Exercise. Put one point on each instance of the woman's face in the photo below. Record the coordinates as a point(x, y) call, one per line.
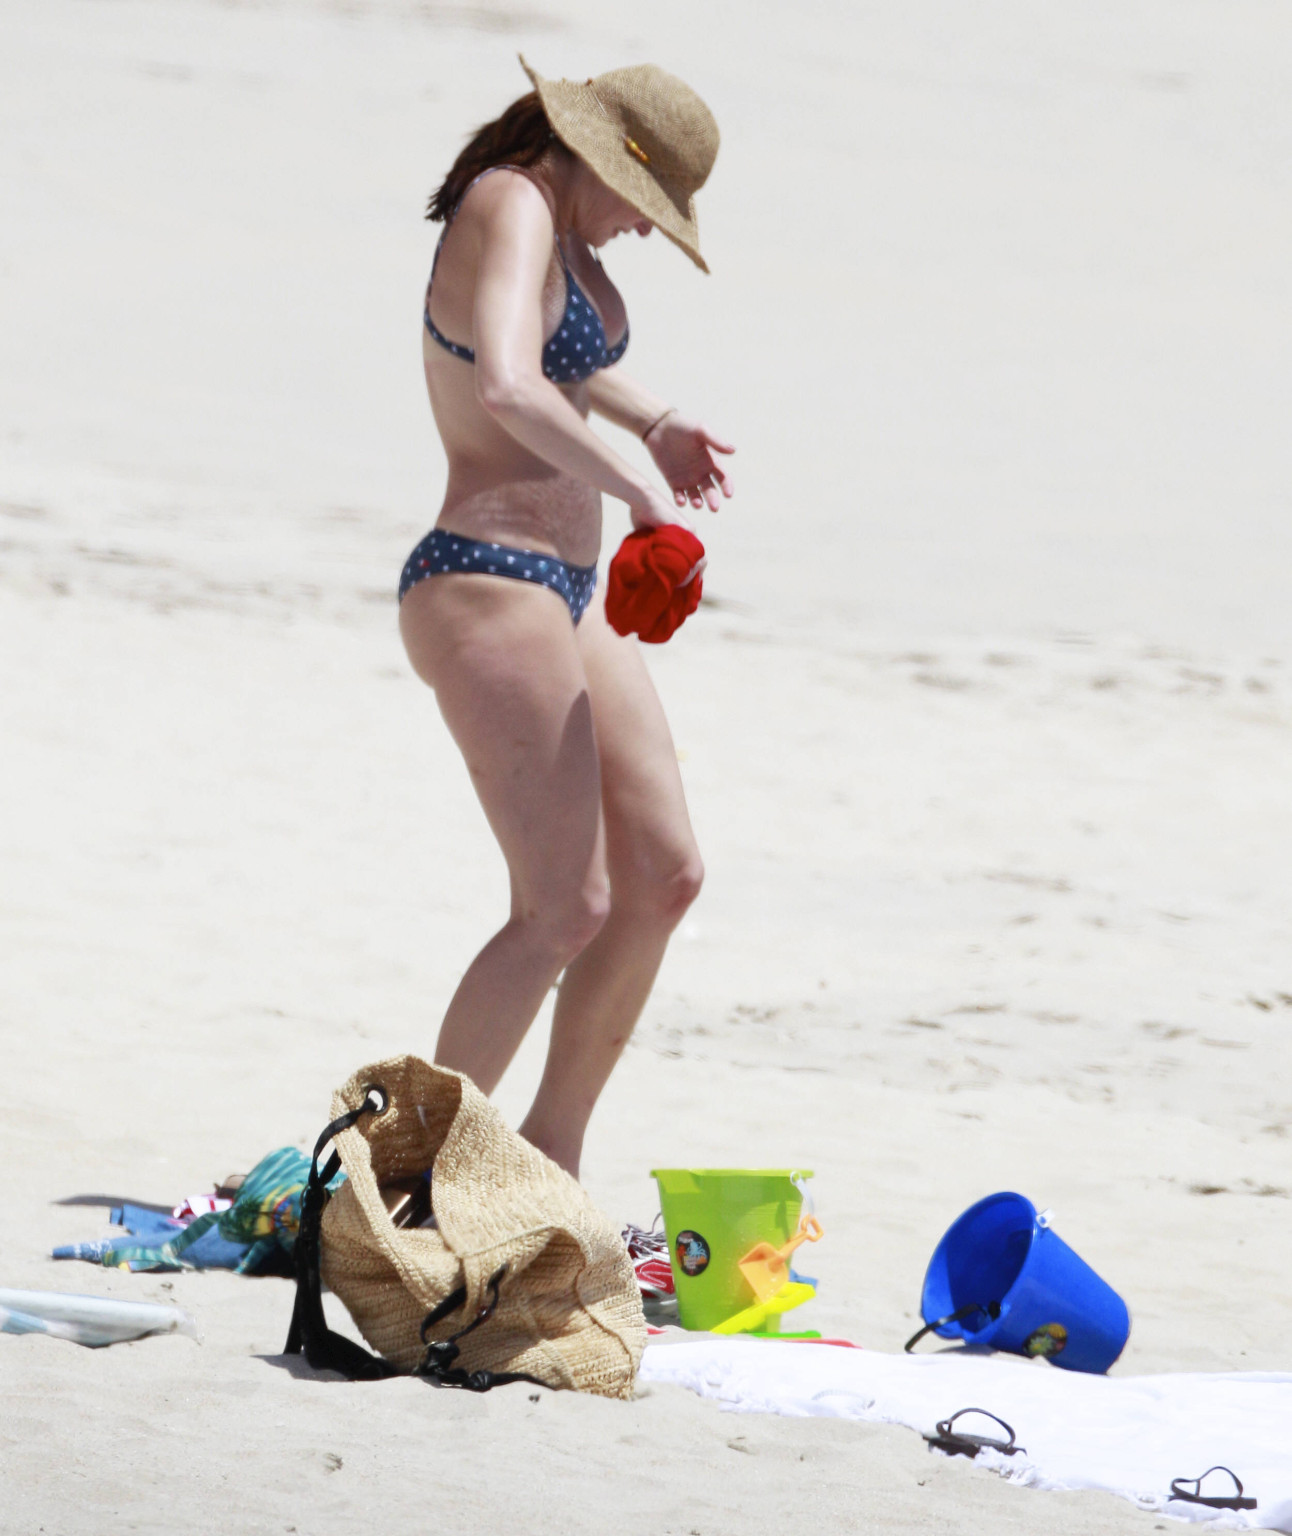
point(600, 214)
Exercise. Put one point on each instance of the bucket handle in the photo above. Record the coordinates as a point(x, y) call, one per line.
point(800, 1182)
point(991, 1308)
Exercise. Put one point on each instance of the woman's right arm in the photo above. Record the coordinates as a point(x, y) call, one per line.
point(515, 233)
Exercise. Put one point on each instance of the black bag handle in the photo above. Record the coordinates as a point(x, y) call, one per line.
point(326, 1350)
point(991, 1308)
point(437, 1364)
point(1214, 1500)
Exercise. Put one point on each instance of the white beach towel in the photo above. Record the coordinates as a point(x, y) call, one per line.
point(1129, 1435)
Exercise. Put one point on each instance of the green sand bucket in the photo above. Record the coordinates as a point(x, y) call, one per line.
point(713, 1217)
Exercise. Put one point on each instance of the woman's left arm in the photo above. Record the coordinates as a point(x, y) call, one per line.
point(682, 448)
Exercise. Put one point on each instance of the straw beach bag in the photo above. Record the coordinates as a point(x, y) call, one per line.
point(516, 1276)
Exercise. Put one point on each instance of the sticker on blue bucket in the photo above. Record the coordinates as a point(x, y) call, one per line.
point(1003, 1278)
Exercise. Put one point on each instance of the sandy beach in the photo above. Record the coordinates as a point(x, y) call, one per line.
point(985, 723)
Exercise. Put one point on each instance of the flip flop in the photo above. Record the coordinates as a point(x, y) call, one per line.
point(958, 1442)
point(1211, 1500)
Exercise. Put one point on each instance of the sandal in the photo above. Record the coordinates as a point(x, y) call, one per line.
point(957, 1442)
point(1211, 1500)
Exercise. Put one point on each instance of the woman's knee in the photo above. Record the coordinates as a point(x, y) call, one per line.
point(661, 892)
point(563, 923)
point(684, 886)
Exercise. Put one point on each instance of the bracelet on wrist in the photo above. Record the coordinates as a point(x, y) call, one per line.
point(672, 411)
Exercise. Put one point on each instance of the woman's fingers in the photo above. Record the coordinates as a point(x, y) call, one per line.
point(699, 481)
point(703, 492)
point(724, 480)
point(719, 477)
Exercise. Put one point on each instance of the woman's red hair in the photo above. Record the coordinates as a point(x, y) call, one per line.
point(518, 137)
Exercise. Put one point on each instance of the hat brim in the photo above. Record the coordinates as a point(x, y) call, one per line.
point(579, 122)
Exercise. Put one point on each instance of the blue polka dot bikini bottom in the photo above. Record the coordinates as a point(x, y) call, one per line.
point(442, 553)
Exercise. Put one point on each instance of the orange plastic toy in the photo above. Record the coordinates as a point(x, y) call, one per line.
point(767, 1269)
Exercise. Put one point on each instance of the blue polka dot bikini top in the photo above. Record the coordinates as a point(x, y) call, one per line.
point(575, 350)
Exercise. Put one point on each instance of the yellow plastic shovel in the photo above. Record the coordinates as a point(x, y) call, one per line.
point(767, 1269)
point(792, 1294)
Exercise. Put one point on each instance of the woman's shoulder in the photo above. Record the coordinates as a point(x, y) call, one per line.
point(506, 192)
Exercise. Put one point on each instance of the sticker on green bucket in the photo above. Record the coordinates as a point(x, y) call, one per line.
point(692, 1253)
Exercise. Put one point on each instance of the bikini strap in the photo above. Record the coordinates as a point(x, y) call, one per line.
point(455, 348)
point(453, 212)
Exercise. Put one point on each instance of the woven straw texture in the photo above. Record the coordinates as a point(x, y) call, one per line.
point(646, 134)
point(569, 1310)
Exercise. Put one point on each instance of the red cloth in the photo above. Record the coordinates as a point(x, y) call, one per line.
point(649, 593)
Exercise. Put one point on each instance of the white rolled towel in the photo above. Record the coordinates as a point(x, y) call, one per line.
point(90, 1320)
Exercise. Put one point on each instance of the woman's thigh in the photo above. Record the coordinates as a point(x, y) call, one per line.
point(650, 846)
point(510, 683)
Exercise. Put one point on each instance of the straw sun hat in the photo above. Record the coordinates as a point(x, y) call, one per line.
point(644, 133)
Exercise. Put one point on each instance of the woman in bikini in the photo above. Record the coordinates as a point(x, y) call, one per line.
point(555, 714)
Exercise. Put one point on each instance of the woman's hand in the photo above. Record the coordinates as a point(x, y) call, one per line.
point(649, 508)
point(683, 452)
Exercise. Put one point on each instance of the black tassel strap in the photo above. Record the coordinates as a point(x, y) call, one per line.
point(324, 1349)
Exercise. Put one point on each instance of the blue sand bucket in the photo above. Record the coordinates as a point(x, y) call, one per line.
point(1001, 1277)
